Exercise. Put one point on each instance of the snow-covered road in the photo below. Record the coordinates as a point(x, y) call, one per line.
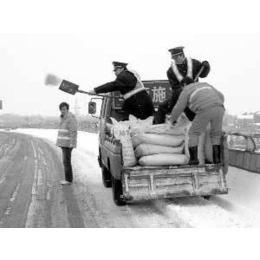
point(239, 208)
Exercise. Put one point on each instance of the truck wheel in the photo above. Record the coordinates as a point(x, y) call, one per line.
point(106, 177)
point(117, 192)
point(207, 197)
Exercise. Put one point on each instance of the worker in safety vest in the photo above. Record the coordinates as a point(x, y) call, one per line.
point(137, 101)
point(180, 68)
point(208, 105)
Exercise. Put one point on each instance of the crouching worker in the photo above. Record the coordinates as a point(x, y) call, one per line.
point(67, 140)
point(137, 101)
point(208, 105)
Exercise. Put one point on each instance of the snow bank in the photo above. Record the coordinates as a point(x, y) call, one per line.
point(87, 142)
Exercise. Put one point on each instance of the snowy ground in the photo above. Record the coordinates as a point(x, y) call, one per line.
point(239, 208)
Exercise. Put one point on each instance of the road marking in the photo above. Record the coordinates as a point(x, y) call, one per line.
point(34, 150)
point(31, 211)
point(15, 192)
point(40, 150)
point(2, 179)
point(35, 179)
point(14, 195)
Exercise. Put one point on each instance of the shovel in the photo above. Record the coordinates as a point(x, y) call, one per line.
point(67, 86)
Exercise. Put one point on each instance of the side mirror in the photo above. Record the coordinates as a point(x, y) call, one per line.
point(92, 108)
point(1, 104)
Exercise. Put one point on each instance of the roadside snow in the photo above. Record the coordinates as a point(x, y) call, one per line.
point(239, 208)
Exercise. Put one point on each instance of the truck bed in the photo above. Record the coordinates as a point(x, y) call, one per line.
point(142, 183)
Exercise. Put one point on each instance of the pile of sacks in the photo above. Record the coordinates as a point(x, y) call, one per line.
point(156, 145)
point(152, 145)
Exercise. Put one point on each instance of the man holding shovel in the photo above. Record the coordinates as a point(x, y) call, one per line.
point(137, 101)
point(180, 68)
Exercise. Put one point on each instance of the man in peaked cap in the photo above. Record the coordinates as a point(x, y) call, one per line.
point(137, 101)
point(180, 68)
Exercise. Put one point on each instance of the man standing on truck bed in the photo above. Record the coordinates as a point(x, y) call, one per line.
point(181, 67)
point(137, 101)
point(208, 105)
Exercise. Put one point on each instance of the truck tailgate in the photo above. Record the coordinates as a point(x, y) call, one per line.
point(142, 183)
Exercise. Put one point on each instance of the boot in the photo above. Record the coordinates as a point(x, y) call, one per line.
point(193, 155)
point(216, 154)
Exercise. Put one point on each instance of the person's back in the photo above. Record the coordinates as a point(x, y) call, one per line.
point(208, 105)
point(202, 96)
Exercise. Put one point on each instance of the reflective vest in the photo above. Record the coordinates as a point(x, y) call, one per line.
point(67, 134)
point(138, 88)
point(177, 72)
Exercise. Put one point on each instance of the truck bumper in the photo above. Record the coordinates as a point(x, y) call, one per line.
point(145, 183)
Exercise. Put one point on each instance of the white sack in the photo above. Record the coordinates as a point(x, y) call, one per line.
point(164, 140)
point(121, 131)
point(166, 129)
point(149, 149)
point(164, 160)
point(138, 126)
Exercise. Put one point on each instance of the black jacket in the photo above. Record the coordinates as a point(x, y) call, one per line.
point(140, 105)
point(125, 82)
point(175, 84)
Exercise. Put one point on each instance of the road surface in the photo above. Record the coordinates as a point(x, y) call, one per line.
point(31, 196)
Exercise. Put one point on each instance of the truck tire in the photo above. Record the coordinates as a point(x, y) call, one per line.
point(117, 192)
point(206, 197)
point(106, 177)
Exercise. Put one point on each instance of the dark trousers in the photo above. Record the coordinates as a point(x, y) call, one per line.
point(66, 158)
point(139, 105)
point(167, 106)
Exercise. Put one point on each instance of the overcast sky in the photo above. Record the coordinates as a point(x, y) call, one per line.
point(85, 58)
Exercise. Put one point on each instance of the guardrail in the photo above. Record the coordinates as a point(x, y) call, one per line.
point(244, 151)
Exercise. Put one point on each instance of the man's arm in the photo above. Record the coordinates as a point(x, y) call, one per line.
point(73, 131)
point(110, 86)
point(124, 81)
point(180, 106)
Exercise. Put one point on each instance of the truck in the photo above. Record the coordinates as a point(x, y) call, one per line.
point(130, 184)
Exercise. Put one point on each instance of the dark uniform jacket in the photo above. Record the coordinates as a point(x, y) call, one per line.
point(140, 105)
point(196, 65)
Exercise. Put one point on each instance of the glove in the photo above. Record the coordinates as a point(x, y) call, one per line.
point(92, 92)
point(205, 64)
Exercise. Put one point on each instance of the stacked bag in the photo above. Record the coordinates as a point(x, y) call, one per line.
point(121, 131)
point(159, 145)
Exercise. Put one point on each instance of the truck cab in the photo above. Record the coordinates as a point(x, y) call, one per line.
point(144, 182)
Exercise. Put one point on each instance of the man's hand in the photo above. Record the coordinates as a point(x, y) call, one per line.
point(205, 64)
point(92, 92)
point(71, 146)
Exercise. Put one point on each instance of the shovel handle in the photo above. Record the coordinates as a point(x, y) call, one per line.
point(99, 95)
point(199, 73)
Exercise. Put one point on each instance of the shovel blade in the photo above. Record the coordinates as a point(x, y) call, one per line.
point(69, 87)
